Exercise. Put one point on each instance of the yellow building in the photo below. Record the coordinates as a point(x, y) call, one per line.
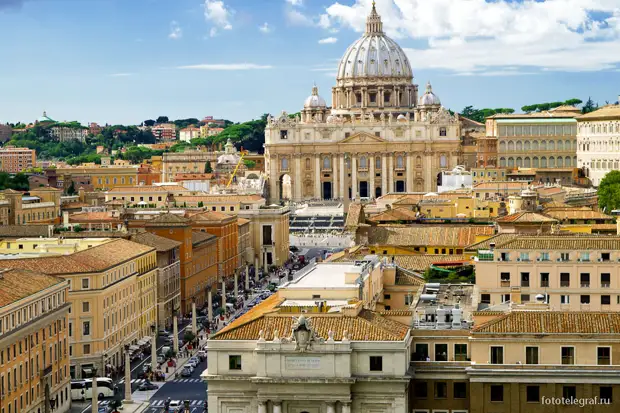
point(479, 175)
point(229, 204)
point(102, 178)
point(34, 355)
point(155, 196)
point(269, 234)
point(486, 190)
point(36, 247)
point(41, 205)
point(113, 297)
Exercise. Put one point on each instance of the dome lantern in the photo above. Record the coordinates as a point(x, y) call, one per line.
point(429, 98)
point(374, 25)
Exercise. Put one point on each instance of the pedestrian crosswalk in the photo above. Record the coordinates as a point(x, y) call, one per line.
point(140, 381)
point(192, 403)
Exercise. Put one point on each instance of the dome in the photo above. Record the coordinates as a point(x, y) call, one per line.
point(374, 55)
point(401, 117)
point(45, 118)
point(314, 100)
point(429, 98)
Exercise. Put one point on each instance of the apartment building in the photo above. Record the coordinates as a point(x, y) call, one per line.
point(42, 204)
point(269, 233)
point(5, 132)
point(113, 299)
point(34, 356)
point(154, 196)
point(165, 132)
point(570, 272)
point(226, 229)
point(66, 134)
point(189, 133)
point(189, 161)
point(14, 160)
point(102, 178)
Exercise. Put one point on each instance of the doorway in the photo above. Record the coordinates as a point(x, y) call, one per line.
point(327, 190)
point(400, 186)
point(364, 189)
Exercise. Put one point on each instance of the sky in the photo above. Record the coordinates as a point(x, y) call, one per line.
point(124, 61)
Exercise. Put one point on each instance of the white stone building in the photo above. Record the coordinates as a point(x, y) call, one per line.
point(598, 142)
point(316, 346)
point(378, 137)
point(65, 133)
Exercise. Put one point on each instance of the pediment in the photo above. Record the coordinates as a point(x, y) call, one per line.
point(362, 137)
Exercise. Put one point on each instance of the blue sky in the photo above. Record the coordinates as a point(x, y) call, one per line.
point(123, 61)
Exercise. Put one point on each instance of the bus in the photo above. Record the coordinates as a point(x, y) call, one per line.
point(82, 389)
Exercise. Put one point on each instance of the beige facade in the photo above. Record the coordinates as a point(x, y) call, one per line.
point(43, 204)
point(572, 273)
point(16, 160)
point(269, 234)
point(378, 137)
point(113, 298)
point(154, 196)
point(190, 161)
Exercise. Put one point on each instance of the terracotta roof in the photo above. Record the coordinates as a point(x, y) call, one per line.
point(526, 217)
point(576, 213)
point(17, 284)
point(161, 244)
point(427, 235)
point(95, 259)
point(606, 112)
point(242, 221)
point(553, 322)
point(73, 205)
point(396, 214)
point(418, 263)
point(571, 242)
point(396, 313)
point(199, 236)
point(221, 198)
point(93, 217)
point(141, 188)
point(167, 220)
point(355, 215)
point(23, 231)
point(500, 185)
point(404, 277)
point(210, 216)
point(498, 239)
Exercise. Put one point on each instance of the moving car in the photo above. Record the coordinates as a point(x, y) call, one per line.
point(163, 332)
point(175, 405)
point(193, 361)
point(147, 385)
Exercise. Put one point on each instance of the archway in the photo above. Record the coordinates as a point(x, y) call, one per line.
point(285, 187)
point(327, 190)
point(400, 186)
point(439, 179)
point(364, 189)
point(252, 176)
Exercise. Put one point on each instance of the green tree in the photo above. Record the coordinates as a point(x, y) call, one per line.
point(589, 106)
point(609, 192)
point(71, 190)
point(149, 122)
point(573, 102)
point(250, 164)
point(188, 336)
point(208, 168)
point(162, 119)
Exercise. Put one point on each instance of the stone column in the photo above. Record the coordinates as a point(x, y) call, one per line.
point(371, 173)
point(175, 330)
point(247, 277)
point(317, 176)
point(346, 407)
point(224, 293)
point(391, 173)
point(429, 182)
point(409, 172)
point(384, 174)
point(210, 304)
point(343, 190)
point(396, 97)
point(94, 406)
point(277, 407)
point(127, 376)
point(262, 407)
point(335, 176)
point(236, 284)
point(194, 325)
point(353, 177)
point(297, 184)
point(331, 407)
point(154, 348)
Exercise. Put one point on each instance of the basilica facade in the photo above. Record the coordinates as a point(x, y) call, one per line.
point(379, 136)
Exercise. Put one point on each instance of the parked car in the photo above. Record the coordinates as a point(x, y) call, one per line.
point(160, 359)
point(194, 361)
point(202, 354)
point(186, 371)
point(163, 332)
point(147, 385)
point(175, 405)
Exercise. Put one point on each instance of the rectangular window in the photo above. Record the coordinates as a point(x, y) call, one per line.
point(234, 362)
point(421, 351)
point(569, 392)
point(585, 279)
point(85, 307)
point(544, 256)
point(486, 298)
point(531, 355)
point(460, 390)
point(497, 393)
point(565, 299)
point(460, 352)
point(524, 256)
point(603, 356)
point(605, 394)
point(525, 298)
point(585, 299)
point(85, 283)
point(441, 390)
point(564, 279)
point(605, 256)
point(376, 363)
point(497, 355)
point(544, 279)
point(605, 299)
point(533, 394)
point(441, 352)
point(86, 348)
point(86, 328)
point(525, 279)
point(421, 390)
point(568, 355)
point(605, 280)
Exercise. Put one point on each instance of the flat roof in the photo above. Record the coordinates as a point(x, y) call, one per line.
point(325, 275)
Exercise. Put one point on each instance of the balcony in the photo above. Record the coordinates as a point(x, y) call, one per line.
point(585, 285)
point(504, 283)
point(605, 285)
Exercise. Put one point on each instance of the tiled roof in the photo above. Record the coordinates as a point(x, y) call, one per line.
point(167, 220)
point(142, 188)
point(396, 214)
point(498, 239)
point(210, 216)
point(404, 277)
point(23, 231)
point(199, 236)
point(95, 259)
point(242, 221)
point(426, 235)
point(553, 322)
point(525, 217)
point(355, 215)
point(576, 213)
point(396, 313)
point(161, 244)
point(93, 217)
point(606, 112)
point(220, 198)
point(16, 284)
point(564, 242)
point(500, 185)
point(418, 262)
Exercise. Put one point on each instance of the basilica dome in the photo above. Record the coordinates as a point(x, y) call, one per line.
point(374, 55)
point(314, 100)
point(429, 98)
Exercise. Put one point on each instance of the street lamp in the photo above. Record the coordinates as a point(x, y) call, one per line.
point(127, 375)
point(175, 330)
point(153, 348)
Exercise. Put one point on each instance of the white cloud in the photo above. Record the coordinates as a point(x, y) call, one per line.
point(227, 66)
point(477, 36)
point(328, 40)
point(265, 28)
point(175, 31)
point(295, 2)
point(219, 15)
point(297, 18)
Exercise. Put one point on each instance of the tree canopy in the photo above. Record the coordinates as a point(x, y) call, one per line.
point(609, 192)
point(589, 106)
point(479, 115)
point(162, 119)
point(19, 182)
point(540, 107)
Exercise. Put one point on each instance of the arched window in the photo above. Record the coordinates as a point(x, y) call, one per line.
point(543, 145)
point(551, 145)
point(502, 146)
point(399, 161)
point(378, 162)
point(307, 163)
point(527, 162)
point(560, 162)
point(327, 163)
point(511, 146)
point(560, 146)
point(418, 162)
point(535, 162)
point(551, 162)
point(543, 162)
point(567, 161)
point(363, 162)
point(284, 164)
point(443, 161)
point(535, 145)
point(527, 146)
point(604, 165)
point(519, 162)
point(511, 162)
point(442, 131)
point(519, 146)
point(502, 162)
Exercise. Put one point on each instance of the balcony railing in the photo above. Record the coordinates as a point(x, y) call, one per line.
point(605, 285)
point(585, 285)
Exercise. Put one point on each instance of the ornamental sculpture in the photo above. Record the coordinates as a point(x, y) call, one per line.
point(303, 335)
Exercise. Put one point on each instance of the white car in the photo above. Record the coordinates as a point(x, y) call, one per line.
point(175, 405)
point(195, 361)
